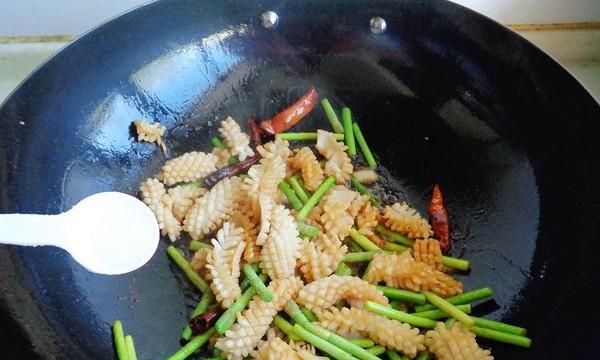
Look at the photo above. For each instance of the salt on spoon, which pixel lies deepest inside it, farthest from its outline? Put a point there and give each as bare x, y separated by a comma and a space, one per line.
107, 233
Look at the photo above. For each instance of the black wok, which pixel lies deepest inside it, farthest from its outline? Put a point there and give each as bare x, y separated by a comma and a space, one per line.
445, 95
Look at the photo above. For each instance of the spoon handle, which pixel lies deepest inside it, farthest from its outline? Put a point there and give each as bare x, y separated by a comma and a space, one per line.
33, 230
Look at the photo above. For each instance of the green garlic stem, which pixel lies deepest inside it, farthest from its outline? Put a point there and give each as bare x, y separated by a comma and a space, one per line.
184, 265
130, 347
245, 284
449, 309
290, 195
499, 326
196, 245
336, 125
233, 160
354, 247
463, 298
500, 336
299, 189
229, 316
392, 355
307, 230
336, 340
363, 343
265, 294
395, 247
438, 314
193, 345
321, 344
458, 264
303, 136
293, 310
363, 241
403, 295
362, 256
343, 269
363, 190
364, 147
424, 355
286, 327
376, 350
314, 199
394, 236
216, 142
310, 316
399, 315
119, 338
348, 132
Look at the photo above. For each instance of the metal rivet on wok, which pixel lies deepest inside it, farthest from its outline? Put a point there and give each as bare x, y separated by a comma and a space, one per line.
377, 25
269, 19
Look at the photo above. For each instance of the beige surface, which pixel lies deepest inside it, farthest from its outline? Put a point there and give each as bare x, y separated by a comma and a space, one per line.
578, 50
18, 60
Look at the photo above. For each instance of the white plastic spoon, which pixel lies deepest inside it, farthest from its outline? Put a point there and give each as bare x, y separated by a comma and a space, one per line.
107, 233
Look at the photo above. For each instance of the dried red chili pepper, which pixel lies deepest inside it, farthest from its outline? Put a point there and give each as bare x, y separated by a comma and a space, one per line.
204, 321
291, 115
229, 171
256, 133
438, 216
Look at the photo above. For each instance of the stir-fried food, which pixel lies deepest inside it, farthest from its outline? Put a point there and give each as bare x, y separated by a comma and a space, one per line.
298, 258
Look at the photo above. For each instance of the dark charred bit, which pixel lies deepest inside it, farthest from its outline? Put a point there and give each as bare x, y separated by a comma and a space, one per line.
229, 171
205, 321
256, 133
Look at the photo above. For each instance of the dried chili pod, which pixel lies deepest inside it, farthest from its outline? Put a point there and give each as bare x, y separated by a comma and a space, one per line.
229, 171
204, 321
256, 133
438, 216
291, 115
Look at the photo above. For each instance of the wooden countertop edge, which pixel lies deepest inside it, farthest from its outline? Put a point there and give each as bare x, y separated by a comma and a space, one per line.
557, 26
516, 27
35, 39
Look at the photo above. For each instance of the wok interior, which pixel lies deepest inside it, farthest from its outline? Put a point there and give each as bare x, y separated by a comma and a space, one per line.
416, 145
434, 105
